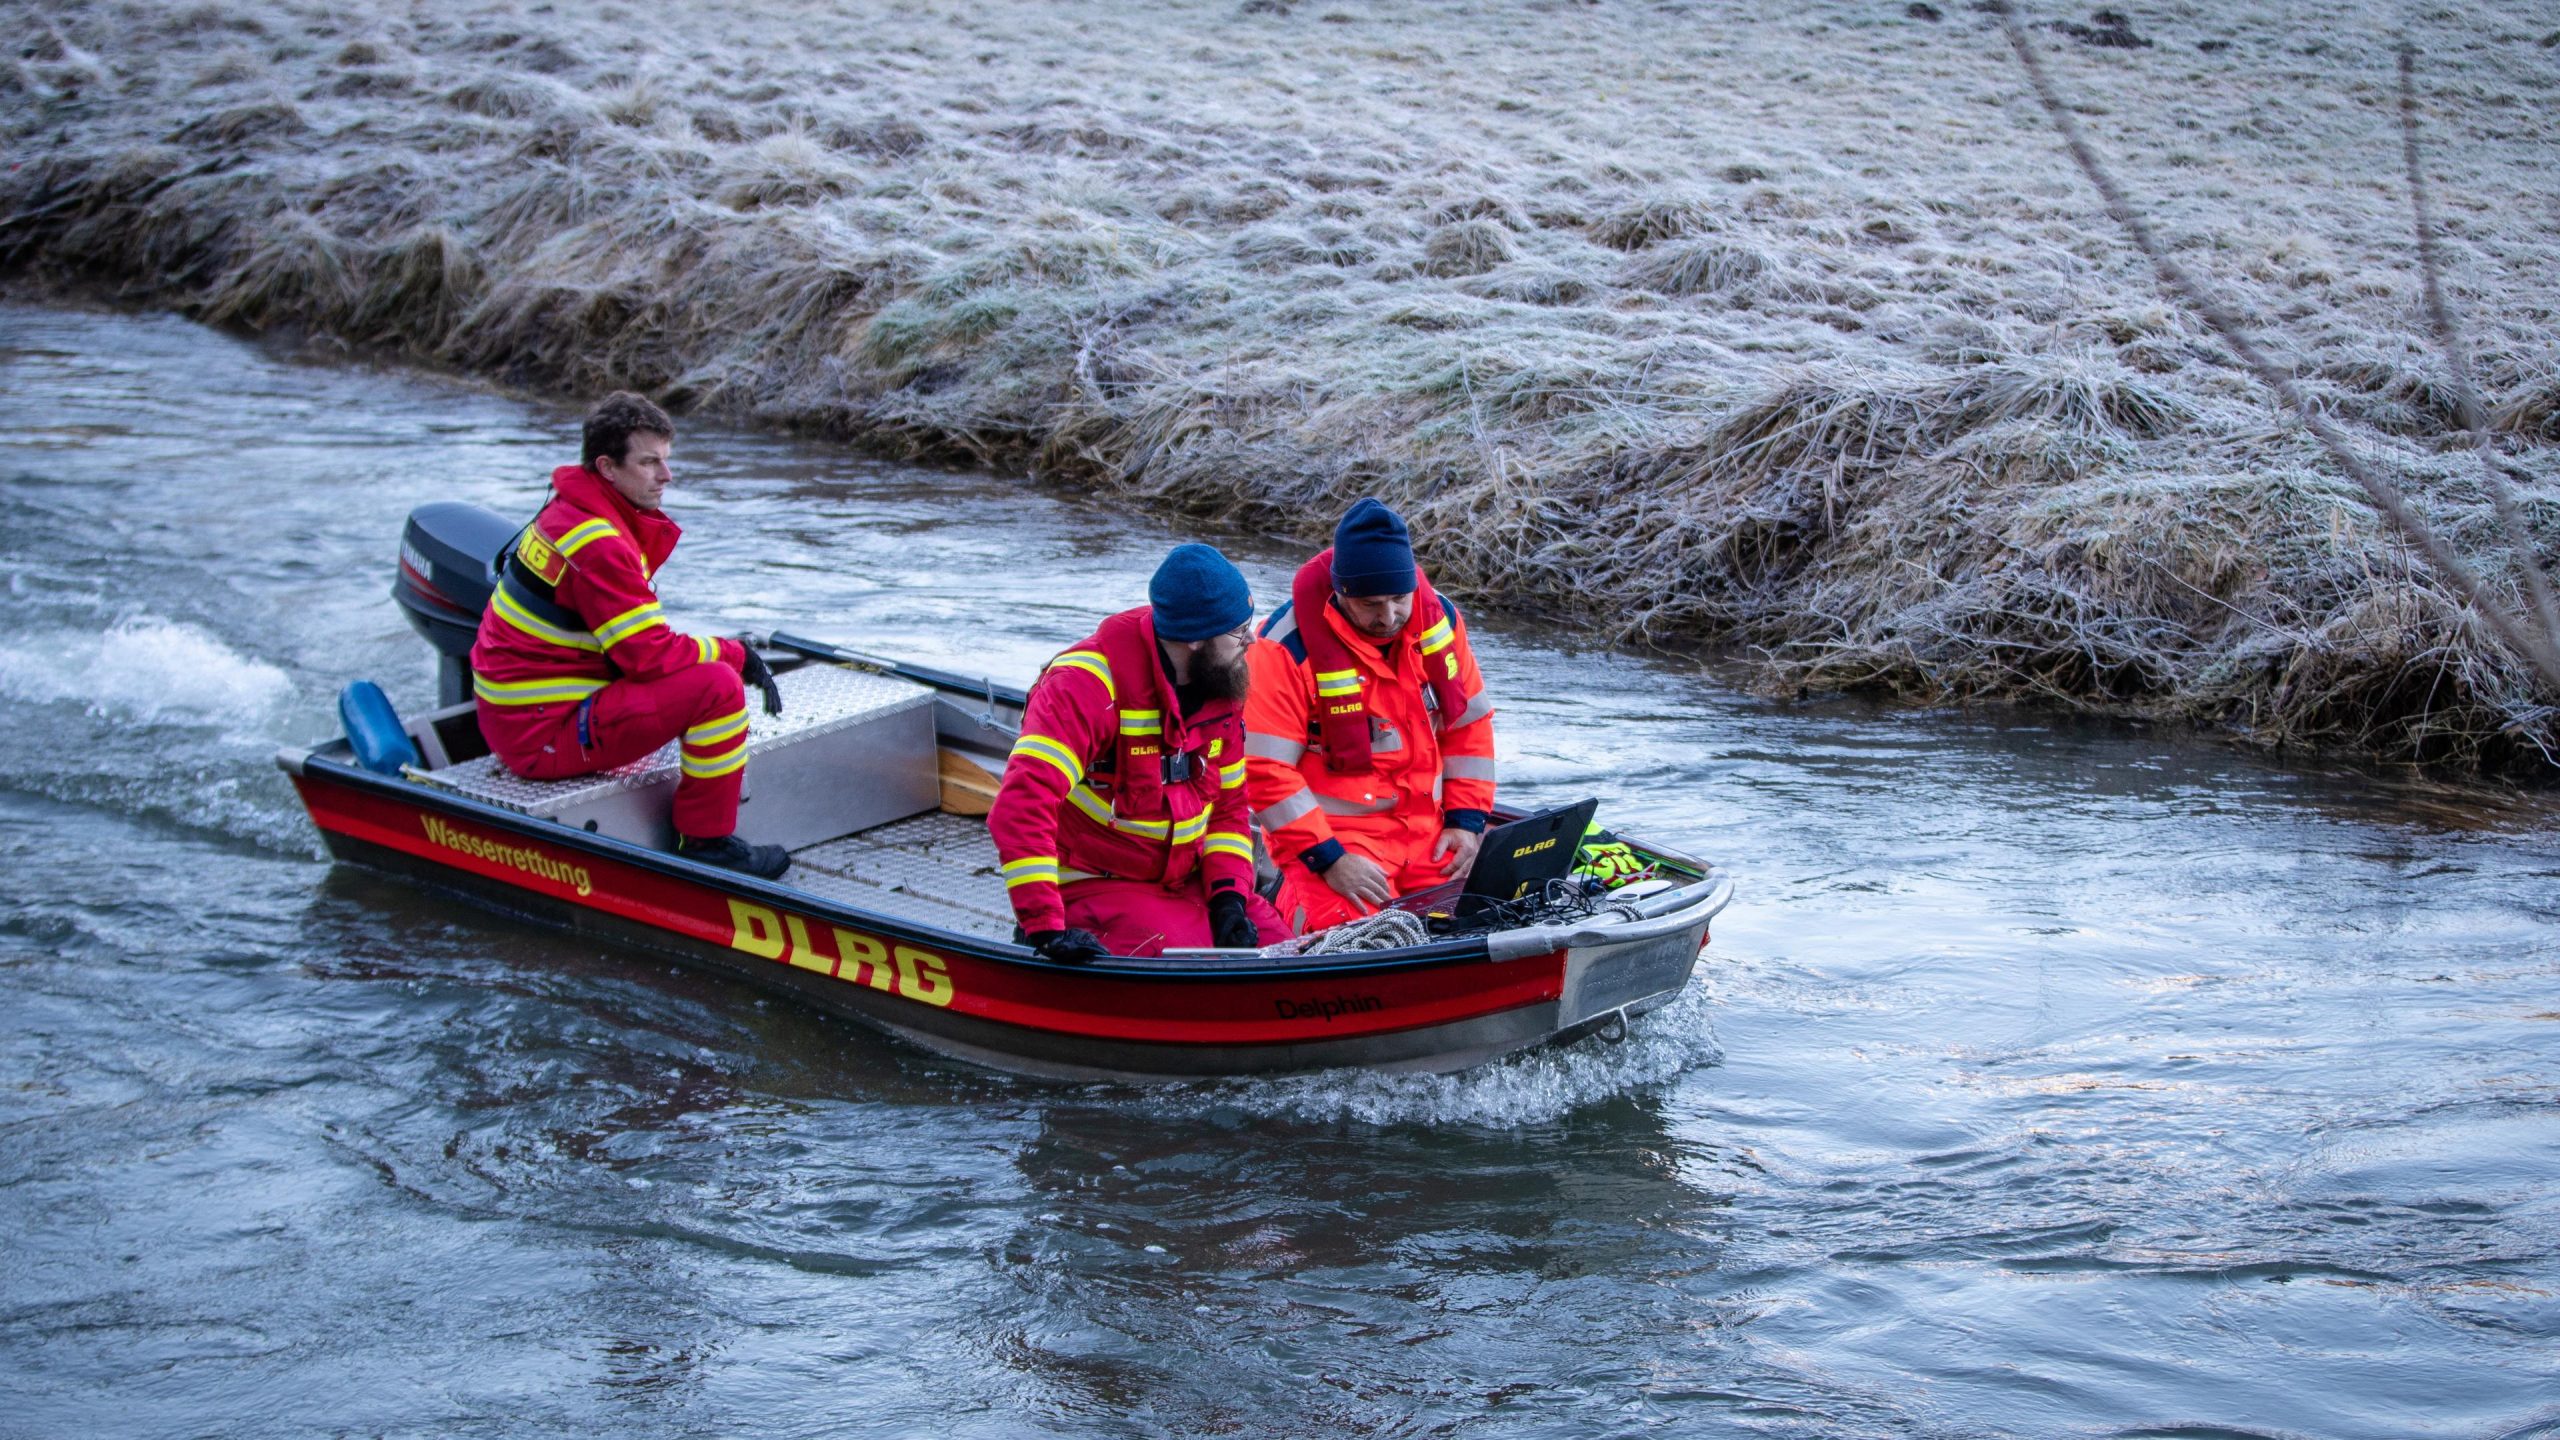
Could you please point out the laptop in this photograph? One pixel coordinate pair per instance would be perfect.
(1514, 860)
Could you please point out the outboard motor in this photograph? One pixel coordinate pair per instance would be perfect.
(448, 566)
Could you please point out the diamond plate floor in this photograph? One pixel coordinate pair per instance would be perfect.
(933, 869)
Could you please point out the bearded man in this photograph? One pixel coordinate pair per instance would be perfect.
(1121, 818)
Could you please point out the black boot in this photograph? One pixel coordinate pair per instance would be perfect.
(765, 862)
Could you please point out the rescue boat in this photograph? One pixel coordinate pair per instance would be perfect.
(876, 777)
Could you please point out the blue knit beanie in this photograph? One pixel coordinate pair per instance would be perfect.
(1372, 552)
(1197, 593)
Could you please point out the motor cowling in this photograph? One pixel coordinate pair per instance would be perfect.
(448, 567)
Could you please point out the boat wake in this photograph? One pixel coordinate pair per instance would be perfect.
(1528, 1089)
(172, 713)
(144, 668)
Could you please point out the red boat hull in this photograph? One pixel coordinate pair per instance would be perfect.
(993, 1004)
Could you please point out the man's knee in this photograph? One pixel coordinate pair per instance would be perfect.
(1268, 923)
(723, 693)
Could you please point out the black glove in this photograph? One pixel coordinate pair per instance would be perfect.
(1066, 947)
(1229, 925)
(760, 675)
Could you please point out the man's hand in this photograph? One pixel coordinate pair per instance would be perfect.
(1461, 847)
(1356, 878)
(1066, 947)
(1230, 927)
(760, 675)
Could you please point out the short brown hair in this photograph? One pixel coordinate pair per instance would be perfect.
(616, 418)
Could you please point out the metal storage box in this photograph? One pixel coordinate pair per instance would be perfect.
(850, 750)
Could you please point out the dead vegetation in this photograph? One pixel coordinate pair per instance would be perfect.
(1860, 380)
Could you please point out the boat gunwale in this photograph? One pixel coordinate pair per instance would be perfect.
(316, 763)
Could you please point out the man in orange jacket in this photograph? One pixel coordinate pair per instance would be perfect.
(1368, 731)
(575, 669)
(1121, 821)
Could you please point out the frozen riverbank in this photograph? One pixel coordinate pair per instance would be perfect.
(1678, 319)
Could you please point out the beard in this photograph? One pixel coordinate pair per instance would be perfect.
(1228, 681)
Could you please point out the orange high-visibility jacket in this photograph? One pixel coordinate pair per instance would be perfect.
(1100, 714)
(1424, 775)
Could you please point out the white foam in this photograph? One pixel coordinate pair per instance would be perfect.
(146, 668)
(1528, 1089)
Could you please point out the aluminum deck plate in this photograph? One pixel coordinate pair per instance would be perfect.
(815, 699)
(933, 869)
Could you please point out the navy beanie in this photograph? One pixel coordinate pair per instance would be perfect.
(1372, 552)
(1197, 593)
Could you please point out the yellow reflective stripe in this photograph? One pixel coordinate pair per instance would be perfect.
(1031, 870)
(1335, 683)
(1179, 832)
(1438, 637)
(1141, 722)
(537, 627)
(1231, 776)
(707, 648)
(1187, 831)
(1092, 663)
(581, 536)
(717, 766)
(629, 623)
(1043, 748)
(533, 692)
(1228, 842)
(1100, 809)
(712, 732)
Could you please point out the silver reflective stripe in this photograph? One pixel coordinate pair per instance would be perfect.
(1296, 807)
(1354, 807)
(1467, 767)
(1435, 789)
(1272, 747)
(1282, 625)
(1477, 709)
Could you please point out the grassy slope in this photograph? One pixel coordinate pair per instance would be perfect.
(1683, 319)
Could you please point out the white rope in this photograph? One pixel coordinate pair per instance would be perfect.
(1386, 930)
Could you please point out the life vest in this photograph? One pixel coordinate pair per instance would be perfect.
(575, 609)
(1343, 716)
(1131, 795)
(1108, 778)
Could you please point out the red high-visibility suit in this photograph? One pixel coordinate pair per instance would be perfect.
(1096, 827)
(589, 675)
(1427, 771)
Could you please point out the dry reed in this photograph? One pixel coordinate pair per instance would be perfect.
(1684, 323)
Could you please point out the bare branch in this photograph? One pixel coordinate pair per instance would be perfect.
(2457, 356)
(2539, 649)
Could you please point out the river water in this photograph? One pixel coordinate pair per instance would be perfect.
(2043, 1080)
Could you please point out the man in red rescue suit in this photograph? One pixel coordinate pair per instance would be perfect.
(1368, 731)
(577, 671)
(1121, 819)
